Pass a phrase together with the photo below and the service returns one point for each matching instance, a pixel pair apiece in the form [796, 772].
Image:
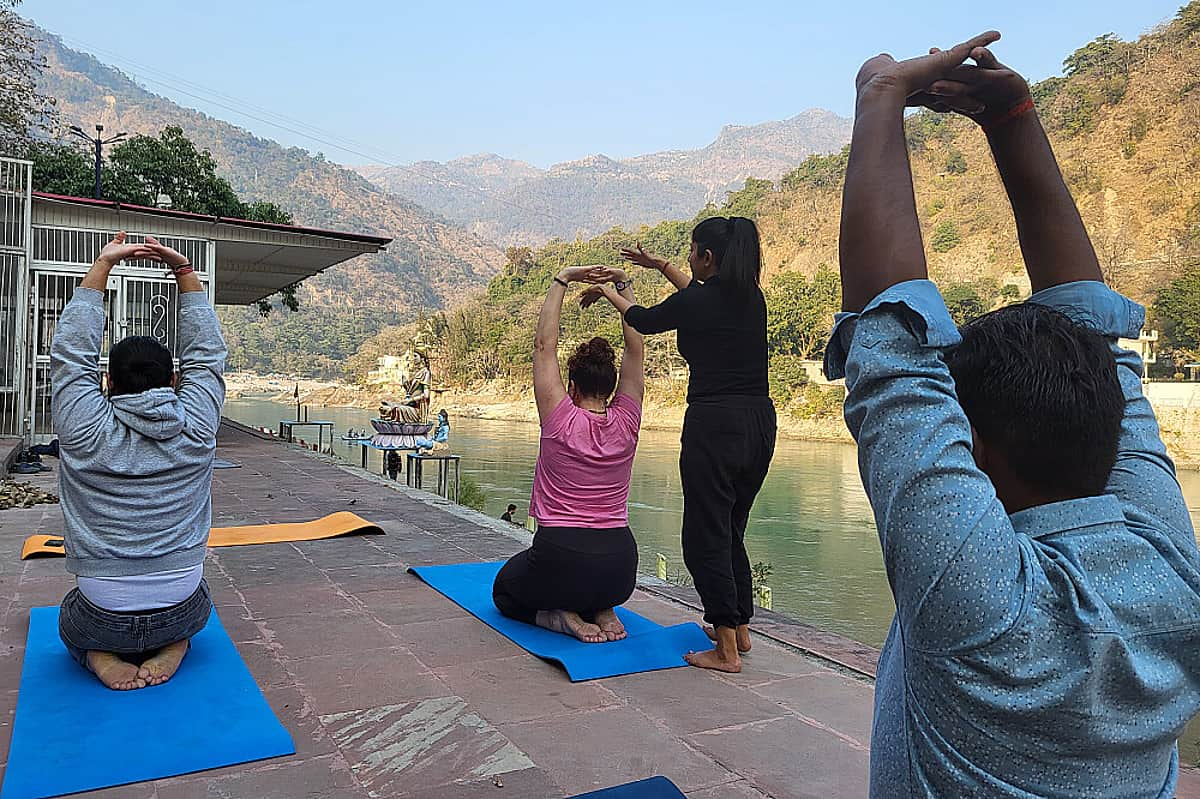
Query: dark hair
[137, 364]
[512, 507]
[734, 244]
[593, 368]
[1043, 391]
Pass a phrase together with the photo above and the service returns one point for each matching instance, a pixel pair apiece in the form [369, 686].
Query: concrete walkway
[390, 690]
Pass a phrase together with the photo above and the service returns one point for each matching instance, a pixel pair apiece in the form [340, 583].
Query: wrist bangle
[1020, 109]
[183, 270]
[561, 282]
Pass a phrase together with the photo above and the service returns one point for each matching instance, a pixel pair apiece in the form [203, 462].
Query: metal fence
[71, 246]
[15, 178]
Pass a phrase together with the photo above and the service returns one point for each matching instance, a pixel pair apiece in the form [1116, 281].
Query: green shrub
[945, 237]
[471, 494]
[786, 376]
[956, 163]
[816, 402]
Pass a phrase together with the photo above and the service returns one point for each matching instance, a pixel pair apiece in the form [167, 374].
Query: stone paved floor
[390, 690]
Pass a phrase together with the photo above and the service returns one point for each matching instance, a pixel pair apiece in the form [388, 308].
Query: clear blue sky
[544, 81]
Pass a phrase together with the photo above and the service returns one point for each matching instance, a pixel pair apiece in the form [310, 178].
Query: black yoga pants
[568, 568]
[726, 451]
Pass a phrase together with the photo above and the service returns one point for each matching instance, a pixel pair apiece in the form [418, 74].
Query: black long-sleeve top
[723, 338]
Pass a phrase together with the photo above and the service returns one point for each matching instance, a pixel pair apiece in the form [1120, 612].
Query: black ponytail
[734, 244]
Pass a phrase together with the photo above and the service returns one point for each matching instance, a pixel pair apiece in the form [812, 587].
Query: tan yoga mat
[332, 526]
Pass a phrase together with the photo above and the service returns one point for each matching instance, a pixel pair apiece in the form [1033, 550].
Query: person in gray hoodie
[136, 476]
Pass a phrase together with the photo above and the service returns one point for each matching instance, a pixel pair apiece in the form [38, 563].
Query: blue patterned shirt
[1051, 653]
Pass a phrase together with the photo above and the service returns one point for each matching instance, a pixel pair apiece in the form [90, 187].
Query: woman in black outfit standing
[729, 430]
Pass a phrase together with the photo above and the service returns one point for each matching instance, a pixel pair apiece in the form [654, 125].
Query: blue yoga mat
[648, 647]
[653, 788]
[73, 734]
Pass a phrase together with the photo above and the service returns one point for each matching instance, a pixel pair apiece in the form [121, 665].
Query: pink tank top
[584, 464]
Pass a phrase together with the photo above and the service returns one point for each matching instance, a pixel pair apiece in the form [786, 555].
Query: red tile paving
[391, 690]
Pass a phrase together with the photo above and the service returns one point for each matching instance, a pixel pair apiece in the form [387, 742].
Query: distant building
[389, 371]
[48, 242]
[1143, 345]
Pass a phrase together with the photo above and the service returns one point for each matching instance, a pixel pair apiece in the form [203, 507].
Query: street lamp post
[98, 142]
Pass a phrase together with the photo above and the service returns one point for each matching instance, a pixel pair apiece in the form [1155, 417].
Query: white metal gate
[141, 300]
[15, 209]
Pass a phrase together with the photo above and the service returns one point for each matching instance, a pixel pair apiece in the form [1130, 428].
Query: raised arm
[1054, 242]
[202, 352]
[1064, 271]
[631, 381]
[943, 532]
[642, 258]
[78, 405]
[548, 388]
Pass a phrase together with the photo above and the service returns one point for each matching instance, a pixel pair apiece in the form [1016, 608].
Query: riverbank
[663, 409]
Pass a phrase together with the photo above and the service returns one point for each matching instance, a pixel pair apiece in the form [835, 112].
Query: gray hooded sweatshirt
[136, 470]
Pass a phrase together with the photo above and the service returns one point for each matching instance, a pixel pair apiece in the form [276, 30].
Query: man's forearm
[880, 238]
[189, 282]
[97, 277]
[1054, 242]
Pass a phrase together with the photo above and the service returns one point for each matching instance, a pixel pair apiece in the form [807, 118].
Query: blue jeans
[84, 627]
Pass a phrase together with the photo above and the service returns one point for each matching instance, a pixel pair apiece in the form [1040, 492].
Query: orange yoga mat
[332, 526]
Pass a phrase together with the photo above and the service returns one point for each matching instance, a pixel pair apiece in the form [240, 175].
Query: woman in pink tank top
[583, 561]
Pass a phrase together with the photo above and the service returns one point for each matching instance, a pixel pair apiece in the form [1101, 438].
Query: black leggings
[722, 464]
[568, 568]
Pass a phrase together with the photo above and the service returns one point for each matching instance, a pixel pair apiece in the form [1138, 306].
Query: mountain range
[515, 203]
[427, 266]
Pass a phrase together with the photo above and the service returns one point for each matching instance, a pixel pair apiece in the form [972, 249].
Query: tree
[956, 162]
[745, 201]
[800, 312]
[60, 168]
[1177, 310]
[945, 237]
[143, 168]
[24, 111]
[818, 172]
[1189, 17]
[963, 302]
[1101, 55]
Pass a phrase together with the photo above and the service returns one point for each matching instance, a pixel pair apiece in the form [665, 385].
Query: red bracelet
[1021, 108]
[186, 269]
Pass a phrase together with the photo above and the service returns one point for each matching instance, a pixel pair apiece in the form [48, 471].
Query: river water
[812, 523]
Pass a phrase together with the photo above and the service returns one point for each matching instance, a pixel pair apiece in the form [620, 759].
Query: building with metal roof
[48, 242]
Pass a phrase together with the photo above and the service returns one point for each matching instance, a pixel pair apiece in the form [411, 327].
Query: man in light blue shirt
[1046, 576]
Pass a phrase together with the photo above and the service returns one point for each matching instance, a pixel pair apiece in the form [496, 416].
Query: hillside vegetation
[1124, 120]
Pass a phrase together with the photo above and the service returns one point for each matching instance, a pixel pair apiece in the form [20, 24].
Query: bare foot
[724, 658]
[165, 662]
[743, 637]
[117, 674]
[610, 624]
[569, 623]
[710, 659]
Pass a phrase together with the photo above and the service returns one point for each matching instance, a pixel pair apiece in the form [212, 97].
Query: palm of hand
[640, 257]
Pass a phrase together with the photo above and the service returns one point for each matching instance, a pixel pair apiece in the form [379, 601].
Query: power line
[314, 134]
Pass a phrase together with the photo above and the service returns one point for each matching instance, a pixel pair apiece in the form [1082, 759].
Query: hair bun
[598, 349]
